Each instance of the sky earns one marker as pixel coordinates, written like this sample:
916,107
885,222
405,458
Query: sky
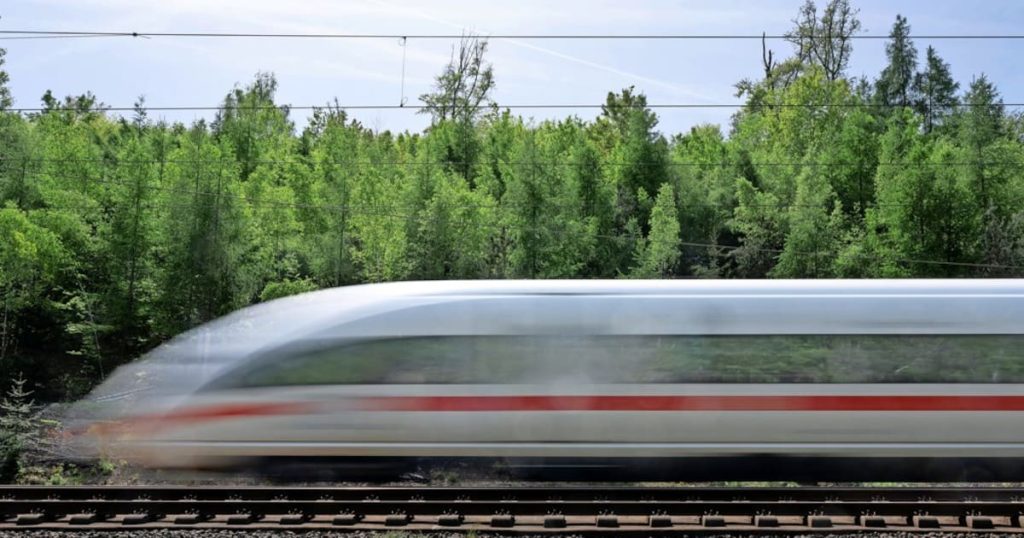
199,72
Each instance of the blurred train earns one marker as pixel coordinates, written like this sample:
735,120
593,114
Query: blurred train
696,379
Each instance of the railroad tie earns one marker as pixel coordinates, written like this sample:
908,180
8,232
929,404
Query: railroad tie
397,520
32,519
450,520
926,522
872,522
295,519
85,518
345,519
979,522
192,519
140,518
244,518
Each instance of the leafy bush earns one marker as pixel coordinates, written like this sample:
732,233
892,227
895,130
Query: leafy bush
276,290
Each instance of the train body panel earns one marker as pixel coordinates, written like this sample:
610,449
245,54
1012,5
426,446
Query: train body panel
589,369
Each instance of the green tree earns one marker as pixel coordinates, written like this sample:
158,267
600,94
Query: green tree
935,91
253,124
5,93
326,208
928,206
200,242
851,161
638,155
461,94
31,257
17,428
1002,245
127,237
813,230
760,225
463,89
548,235
587,186
706,167
499,135
981,124
825,40
657,255
18,168
454,232
894,86
380,220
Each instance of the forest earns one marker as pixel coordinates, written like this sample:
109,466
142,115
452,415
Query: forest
118,231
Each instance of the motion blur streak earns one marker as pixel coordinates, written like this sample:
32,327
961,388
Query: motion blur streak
219,412
694,403
586,403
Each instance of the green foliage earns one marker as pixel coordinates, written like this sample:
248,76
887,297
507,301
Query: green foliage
276,290
657,255
201,234
252,124
814,224
5,93
119,232
894,86
547,235
759,223
935,91
31,258
825,40
637,153
465,85
17,428
454,231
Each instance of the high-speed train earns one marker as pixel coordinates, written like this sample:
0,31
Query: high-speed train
708,379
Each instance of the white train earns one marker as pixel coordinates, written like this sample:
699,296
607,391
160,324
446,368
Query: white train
818,379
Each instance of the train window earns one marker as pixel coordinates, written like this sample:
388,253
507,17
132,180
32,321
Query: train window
647,359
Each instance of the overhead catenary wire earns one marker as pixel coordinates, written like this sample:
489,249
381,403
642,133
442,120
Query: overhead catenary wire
24,37
523,106
444,36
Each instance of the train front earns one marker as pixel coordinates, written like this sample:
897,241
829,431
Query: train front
137,414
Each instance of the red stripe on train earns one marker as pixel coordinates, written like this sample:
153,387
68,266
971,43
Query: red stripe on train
157,421
414,404
690,403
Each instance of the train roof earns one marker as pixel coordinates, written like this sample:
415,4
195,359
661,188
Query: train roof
939,287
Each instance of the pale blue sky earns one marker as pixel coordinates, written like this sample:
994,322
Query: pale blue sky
172,71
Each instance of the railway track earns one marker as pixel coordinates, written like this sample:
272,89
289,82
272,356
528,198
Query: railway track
576,510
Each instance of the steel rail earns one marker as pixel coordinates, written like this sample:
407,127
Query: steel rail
587,510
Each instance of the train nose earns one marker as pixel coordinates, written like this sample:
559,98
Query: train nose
84,441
